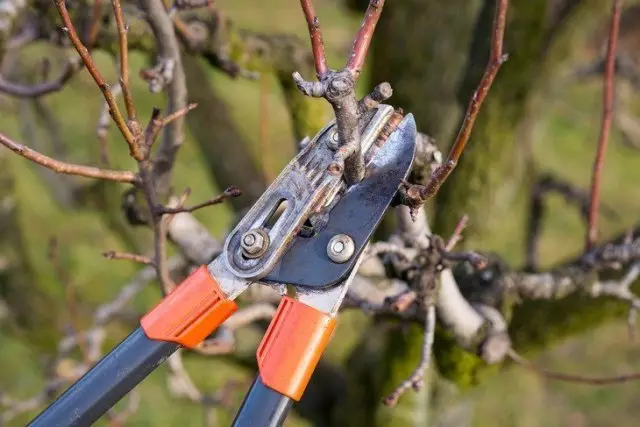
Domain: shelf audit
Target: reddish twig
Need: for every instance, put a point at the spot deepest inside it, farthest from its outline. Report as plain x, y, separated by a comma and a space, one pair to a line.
338, 88
571, 378
176, 115
365, 34
457, 233
416, 195
68, 168
317, 46
607, 117
124, 59
94, 27
229, 192
156, 124
142, 259
97, 77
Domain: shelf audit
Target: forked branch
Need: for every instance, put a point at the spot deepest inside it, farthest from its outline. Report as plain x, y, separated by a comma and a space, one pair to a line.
338, 88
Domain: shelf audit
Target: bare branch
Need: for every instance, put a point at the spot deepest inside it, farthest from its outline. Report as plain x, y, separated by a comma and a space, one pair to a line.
229, 192
168, 52
142, 259
416, 378
97, 77
416, 195
457, 233
124, 59
338, 88
607, 117
68, 168
363, 39
317, 46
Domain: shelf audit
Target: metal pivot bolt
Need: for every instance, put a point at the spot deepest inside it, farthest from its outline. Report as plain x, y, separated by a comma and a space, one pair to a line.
340, 248
254, 243
333, 142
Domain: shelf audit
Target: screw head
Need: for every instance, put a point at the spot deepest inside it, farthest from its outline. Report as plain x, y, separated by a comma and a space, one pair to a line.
340, 248
254, 243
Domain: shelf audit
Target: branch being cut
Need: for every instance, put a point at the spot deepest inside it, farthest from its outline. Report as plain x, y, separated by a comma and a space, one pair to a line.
338, 88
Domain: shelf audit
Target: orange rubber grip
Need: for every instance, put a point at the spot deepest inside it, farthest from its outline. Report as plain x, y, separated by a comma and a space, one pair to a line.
191, 312
292, 346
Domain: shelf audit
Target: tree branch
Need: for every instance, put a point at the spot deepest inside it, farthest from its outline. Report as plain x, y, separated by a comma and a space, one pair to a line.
607, 105
68, 168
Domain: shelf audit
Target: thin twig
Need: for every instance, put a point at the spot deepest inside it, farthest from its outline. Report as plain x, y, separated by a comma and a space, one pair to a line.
142, 259
607, 117
229, 192
365, 34
68, 168
571, 378
94, 27
317, 46
124, 59
97, 77
416, 378
416, 195
178, 114
457, 233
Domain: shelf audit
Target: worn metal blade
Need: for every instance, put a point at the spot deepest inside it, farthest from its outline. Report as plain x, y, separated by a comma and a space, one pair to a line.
357, 214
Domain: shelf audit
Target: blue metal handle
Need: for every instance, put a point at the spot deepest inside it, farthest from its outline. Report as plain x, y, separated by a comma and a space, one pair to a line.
107, 382
262, 407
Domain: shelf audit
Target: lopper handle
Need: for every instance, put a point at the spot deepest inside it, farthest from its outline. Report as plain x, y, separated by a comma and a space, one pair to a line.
185, 317
107, 382
262, 407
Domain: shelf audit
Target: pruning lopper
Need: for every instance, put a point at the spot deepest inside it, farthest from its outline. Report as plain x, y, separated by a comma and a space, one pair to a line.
313, 246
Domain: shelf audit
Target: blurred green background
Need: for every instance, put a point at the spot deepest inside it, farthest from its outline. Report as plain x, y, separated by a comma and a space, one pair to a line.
562, 132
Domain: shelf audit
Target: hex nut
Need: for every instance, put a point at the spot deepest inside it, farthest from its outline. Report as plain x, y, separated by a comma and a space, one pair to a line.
254, 243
